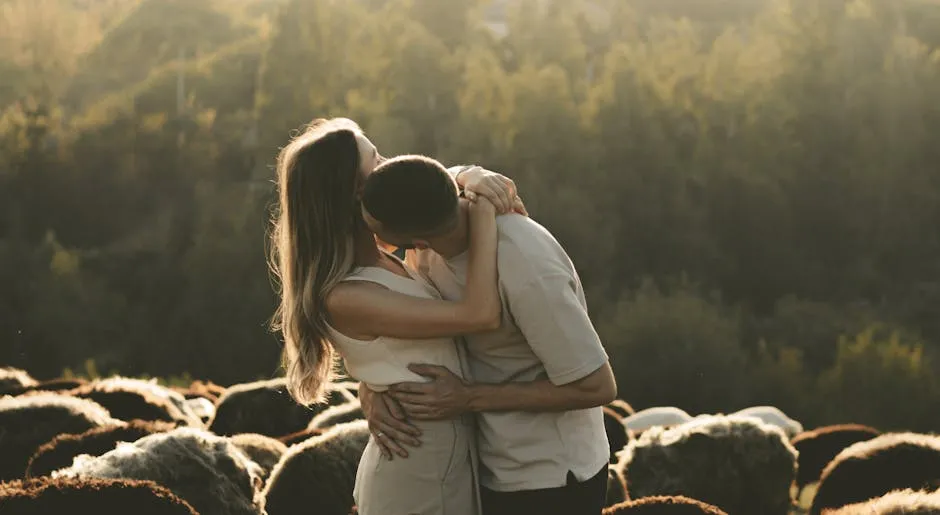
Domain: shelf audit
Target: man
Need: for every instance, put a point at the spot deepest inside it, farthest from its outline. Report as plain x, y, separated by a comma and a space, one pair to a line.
538, 381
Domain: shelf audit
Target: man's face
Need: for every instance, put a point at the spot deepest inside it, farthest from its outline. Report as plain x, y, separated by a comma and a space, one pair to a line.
402, 241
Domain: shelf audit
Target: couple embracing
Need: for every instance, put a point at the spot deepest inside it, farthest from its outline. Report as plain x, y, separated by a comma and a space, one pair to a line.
481, 374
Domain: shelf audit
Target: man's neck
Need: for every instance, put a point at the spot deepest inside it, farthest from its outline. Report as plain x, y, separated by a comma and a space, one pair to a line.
456, 241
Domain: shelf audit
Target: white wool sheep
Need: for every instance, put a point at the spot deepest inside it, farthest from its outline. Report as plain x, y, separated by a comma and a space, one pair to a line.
201, 407
773, 416
653, 417
205, 470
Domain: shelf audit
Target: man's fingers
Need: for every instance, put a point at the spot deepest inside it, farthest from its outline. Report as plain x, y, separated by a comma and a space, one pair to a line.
433, 371
422, 388
416, 410
519, 207
412, 398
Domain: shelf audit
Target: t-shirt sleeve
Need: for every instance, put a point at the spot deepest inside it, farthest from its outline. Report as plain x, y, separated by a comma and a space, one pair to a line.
550, 314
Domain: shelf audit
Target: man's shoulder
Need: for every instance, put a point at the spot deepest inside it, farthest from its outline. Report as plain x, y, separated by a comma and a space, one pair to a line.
521, 231
527, 250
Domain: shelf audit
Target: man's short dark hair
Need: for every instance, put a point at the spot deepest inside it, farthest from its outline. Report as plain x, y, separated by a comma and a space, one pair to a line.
411, 195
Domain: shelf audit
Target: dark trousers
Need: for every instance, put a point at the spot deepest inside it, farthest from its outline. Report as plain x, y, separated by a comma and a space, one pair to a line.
585, 498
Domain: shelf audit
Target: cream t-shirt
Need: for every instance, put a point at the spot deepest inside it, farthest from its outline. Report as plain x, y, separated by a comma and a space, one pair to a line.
545, 333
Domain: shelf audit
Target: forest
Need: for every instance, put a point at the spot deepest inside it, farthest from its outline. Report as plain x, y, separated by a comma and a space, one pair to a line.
750, 189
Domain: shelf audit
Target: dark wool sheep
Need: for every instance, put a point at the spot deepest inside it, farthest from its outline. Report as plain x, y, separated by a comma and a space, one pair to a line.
616, 432
14, 379
616, 486
898, 502
664, 505
622, 407
53, 385
28, 421
319, 472
299, 436
819, 446
60, 452
205, 470
263, 450
739, 464
341, 414
130, 399
872, 468
47, 496
266, 408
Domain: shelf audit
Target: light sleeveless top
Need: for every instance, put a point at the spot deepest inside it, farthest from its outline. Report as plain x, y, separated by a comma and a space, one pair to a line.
384, 361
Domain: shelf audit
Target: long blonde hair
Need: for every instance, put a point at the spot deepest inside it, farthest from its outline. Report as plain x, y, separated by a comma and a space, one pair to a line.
313, 230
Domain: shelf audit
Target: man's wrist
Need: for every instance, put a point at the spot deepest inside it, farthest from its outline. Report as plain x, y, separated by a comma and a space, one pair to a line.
477, 396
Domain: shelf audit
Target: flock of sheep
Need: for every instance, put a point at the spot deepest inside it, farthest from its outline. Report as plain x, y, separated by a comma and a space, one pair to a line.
120, 445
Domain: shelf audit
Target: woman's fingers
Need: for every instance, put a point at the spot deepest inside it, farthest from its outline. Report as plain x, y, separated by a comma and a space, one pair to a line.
388, 445
396, 436
506, 191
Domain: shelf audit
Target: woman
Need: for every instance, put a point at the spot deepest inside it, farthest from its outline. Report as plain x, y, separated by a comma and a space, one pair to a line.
340, 290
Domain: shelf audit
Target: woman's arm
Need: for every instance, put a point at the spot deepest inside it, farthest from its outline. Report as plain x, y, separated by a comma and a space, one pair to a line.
366, 310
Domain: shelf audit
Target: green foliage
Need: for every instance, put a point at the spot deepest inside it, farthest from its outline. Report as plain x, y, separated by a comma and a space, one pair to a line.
676, 349
882, 380
780, 152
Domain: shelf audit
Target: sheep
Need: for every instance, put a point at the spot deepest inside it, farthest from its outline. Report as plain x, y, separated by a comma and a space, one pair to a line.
351, 387
299, 436
46, 496
62, 450
129, 399
616, 433
616, 486
898, 502
622, 407
651, 417
265, 407
202, 407
205, 470
739, 464
819, 446
872, 468
12, 379
52, 385
28, 421
334, 415
263, 450
319, 472
773, 416
664, 505
201, 389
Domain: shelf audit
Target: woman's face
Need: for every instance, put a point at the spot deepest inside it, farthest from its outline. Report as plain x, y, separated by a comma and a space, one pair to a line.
369, 156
